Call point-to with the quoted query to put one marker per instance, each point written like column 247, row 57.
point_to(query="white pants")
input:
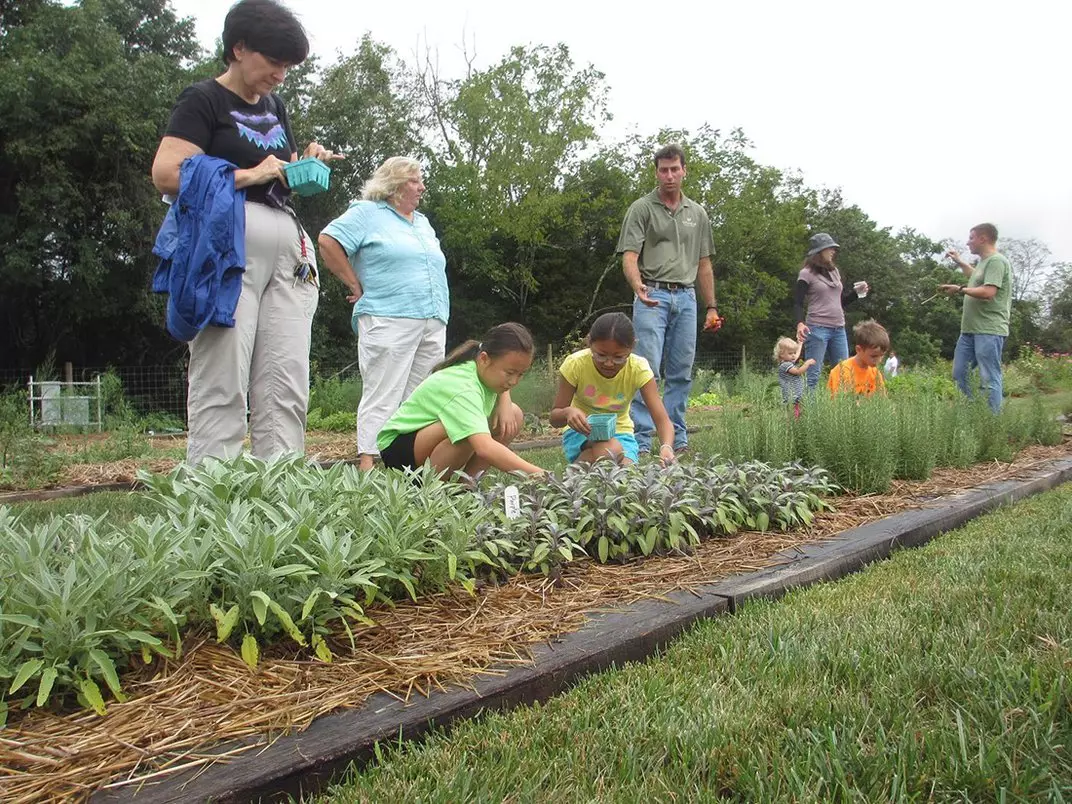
column 394, row 355
column 266, row 353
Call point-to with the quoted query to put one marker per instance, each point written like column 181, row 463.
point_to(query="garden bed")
column 177, row 718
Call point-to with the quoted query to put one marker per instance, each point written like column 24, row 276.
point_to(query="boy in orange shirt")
column 859, row 374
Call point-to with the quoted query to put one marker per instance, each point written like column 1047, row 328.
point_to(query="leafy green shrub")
column 922, row 383
column 339, row 422
column 335, row 395
column 706, row 399
column 708, row 381
column 1041, row 426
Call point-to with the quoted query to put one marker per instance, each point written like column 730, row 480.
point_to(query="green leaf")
column 320, row 647
column 310, row 603
column 3, row 714
column 44, row 689
column 143, row 638
column 452, row 565
column 91, row 692
column 260, row 605
column 251, row 653
column 26, row 671
column 107, row 668
column 604, row 549
column 20, row 619
column 225, row 621
column 762, row 521
column 146, row 654
column 287, row 623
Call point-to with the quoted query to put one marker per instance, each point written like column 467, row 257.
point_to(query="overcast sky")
column 936, row 115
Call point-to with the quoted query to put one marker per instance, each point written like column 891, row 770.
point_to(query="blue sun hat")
column 818, row 242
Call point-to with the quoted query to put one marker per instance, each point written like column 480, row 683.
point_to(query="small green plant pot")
column 602, row 425
column 308, row 176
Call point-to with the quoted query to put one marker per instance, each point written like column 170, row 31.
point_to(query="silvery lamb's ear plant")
column 283, row 555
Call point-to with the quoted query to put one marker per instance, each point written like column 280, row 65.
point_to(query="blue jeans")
column 983, row 351
column 822, row 342
column 666, row 338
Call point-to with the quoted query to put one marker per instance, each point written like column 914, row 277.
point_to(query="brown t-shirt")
column 823, row 299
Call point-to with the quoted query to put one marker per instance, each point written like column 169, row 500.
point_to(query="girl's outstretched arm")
column 486, row 448
column 663, row 426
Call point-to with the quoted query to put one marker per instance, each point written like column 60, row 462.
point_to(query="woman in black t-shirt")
column 238, row 117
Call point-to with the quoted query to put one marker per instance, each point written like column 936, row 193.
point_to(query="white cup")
column 860, row 288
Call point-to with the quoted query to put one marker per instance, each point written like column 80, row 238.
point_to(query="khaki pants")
column 394, row 355
column 266, row 353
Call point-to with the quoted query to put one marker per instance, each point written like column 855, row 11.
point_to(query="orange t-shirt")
column 849, row 375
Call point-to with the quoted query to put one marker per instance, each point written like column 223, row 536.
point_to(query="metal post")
column 31, row 401
column 551, row 369
column 100, row 419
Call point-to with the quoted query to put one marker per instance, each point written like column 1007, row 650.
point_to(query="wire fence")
column 147, row 391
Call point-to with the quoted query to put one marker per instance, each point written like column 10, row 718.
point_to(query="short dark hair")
column 987, row 230
column 871, row 335
column 671, row 151
column 265, row 27
column 615, row 327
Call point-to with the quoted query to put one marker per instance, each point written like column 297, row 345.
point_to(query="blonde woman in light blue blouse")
column 388, row 256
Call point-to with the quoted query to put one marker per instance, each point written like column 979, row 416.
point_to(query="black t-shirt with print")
column 223, row 125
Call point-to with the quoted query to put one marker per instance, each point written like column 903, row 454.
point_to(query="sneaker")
column 681, row 450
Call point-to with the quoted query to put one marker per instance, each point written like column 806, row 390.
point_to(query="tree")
column 1030, row 260
column 86, row 94
column 510, row 137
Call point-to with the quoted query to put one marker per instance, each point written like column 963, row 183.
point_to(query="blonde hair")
column 388, row 177
column 786, row 349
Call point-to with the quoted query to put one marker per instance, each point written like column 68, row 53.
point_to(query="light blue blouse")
column 399, row 263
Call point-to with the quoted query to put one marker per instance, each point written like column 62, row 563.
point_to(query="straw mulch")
column 178, row 712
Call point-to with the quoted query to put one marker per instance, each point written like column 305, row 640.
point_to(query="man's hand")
column 713, row 321
column 949, row 290
column 803, row 330
column 576, row 419
column 641, row 291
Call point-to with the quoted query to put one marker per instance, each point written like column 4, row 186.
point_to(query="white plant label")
column 512, row 501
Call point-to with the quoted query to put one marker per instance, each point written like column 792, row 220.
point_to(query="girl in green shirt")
column 461, row 417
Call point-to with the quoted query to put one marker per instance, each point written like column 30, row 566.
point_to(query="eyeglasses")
column 614, row 361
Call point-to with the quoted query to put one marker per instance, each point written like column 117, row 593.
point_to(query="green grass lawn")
column 940, row 675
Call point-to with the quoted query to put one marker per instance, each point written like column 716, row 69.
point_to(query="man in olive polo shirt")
column 984, row 323
column 666, row 253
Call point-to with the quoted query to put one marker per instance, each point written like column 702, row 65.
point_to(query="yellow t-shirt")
column 599, row 394
column 848, row 375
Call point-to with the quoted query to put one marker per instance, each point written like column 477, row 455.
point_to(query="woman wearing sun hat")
column 819, row 289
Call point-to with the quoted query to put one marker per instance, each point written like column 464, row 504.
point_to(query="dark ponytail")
column 497, row 341
column 614, row 327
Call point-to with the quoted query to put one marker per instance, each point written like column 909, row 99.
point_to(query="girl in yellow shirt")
column 604, row 378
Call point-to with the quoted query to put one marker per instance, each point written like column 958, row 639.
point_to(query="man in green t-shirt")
column 666, row 249
column 984, row 324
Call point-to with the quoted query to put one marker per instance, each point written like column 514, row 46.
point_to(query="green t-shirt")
column 454, row 396
column 982, row 317
column 598, row 394
column 670, row 243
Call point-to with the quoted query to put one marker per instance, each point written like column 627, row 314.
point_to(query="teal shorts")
column 573, row 443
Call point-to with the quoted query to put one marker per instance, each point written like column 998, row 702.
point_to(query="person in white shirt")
column 892, row 365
